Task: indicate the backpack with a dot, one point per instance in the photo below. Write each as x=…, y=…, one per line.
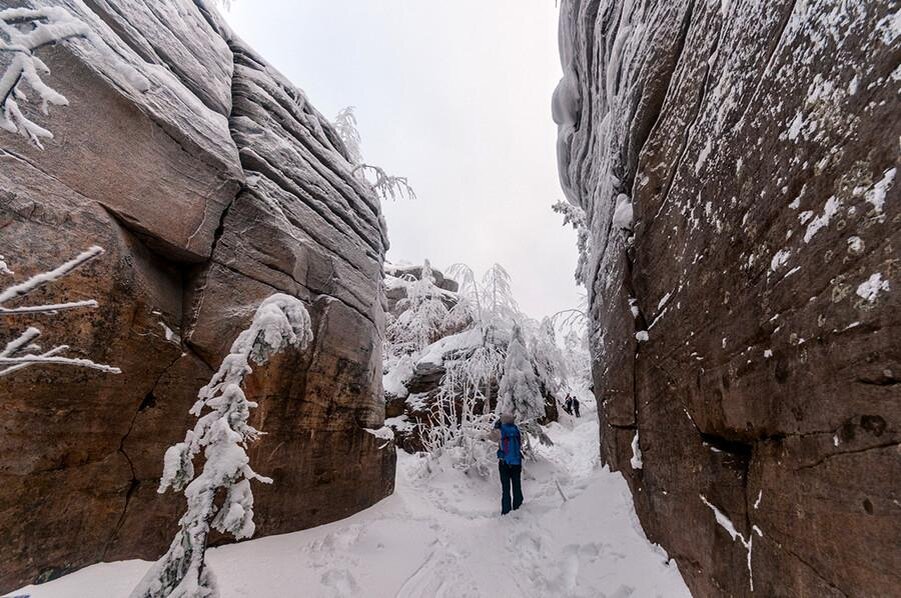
x=511, y=445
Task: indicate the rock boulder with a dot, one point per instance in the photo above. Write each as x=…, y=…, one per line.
x=212, y=183
x=757, y=143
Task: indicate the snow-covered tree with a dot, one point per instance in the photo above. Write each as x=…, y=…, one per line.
x=458, y=422
x=346, y=126
x=220, y=497
x=578, y=362
x=475, y=360
x=488, y=302
x=22, y=351
x=23, y=31
x=519, y=391
x=500, y=307
x=423, y=315
x=547, y=355
x=385, y=185
x=575, y=216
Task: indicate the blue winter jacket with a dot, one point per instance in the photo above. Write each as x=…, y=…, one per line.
x=510, y=451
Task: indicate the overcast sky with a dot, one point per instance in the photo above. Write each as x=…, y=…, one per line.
x=455, y=95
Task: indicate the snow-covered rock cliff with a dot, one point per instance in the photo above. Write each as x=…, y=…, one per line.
x=212, y=183
x=747, y=320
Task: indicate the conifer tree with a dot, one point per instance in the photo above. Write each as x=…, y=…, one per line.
x=221, y=497
x=519, y=392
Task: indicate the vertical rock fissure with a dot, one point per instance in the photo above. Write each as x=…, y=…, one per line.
x=687, y=134
x=771, y=55
x=134, y=482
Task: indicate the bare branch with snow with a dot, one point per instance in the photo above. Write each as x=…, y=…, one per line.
x=22, y=351
x=385, y=185
x=23, y=31
x=575, y=216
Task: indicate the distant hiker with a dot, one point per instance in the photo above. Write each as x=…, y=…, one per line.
x=568, y=405
x=509, y=461
x=576, y=407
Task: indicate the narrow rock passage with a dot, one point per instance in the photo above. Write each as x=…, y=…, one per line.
x=440, y=535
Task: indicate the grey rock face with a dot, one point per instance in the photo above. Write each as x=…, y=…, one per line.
x=212, y=183
x=757, y=143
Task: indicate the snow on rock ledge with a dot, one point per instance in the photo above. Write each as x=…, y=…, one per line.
x=212, y=187
x=746, y=135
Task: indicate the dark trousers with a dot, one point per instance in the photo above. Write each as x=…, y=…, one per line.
x=511, y=475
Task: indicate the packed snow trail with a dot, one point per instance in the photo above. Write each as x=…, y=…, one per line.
x=441, y=535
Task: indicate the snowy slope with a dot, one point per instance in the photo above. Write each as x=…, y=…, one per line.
x=440, y=535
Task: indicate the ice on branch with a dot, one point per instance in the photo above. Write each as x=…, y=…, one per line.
x=23, y=31
x=220, y=497
x=384, y=185
x=23, y=351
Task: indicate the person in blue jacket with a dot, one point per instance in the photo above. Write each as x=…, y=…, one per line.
x=509, y=461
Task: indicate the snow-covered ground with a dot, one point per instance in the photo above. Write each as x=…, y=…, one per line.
x=440, y=534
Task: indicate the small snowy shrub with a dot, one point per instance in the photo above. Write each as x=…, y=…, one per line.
x=460, y=418
x=220, y=497
x=22, y=351
x=23, y=31
x=458, y=426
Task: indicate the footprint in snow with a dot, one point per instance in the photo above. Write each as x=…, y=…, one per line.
x=339, y=583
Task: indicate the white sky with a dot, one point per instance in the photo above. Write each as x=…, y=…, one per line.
x=455, y=95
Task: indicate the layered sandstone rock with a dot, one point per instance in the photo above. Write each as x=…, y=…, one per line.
x=758, y=145
x=212, y=183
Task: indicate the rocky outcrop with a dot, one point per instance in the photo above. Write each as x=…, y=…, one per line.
x=757, y=144
x=413, y=383
x=212, y=183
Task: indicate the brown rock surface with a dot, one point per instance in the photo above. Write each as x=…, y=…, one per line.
x=211, y=189
x=758, y=144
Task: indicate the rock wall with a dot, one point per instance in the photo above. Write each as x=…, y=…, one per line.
x=212, y=183
x=758, y=144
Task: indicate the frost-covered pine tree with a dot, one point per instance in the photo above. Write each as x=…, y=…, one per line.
x=23, y=351
x=23, y=31
x=220, y=497
x=519, y=391
x=423, y=315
